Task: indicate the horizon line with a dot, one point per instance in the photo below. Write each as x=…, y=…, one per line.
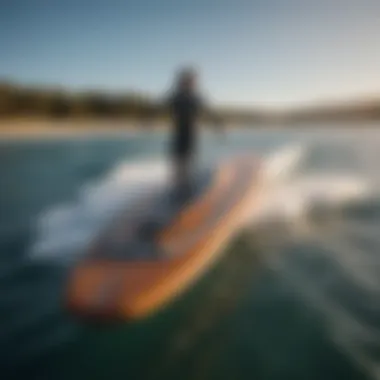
x=359, y=98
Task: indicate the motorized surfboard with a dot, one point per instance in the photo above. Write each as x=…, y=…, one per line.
x=153, y=253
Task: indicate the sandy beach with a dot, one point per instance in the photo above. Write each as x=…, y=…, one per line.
x=52, y=128
x=42, y=128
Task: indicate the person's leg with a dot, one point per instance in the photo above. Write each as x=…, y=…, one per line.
x=182, y=176
x=183, y=162
x=177, y=170
x=186, y=170
x=181, y=171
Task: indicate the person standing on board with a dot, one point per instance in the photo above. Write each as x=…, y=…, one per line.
x=185, y=107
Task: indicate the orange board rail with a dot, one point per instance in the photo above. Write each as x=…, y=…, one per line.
x=113, y=289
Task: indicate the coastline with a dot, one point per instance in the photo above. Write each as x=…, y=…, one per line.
x=36, y=128
x=15, y=128
x=45, y=128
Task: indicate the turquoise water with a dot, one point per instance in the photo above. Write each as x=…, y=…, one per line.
x=241, y=321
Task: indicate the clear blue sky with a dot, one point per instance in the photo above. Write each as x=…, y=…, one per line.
x=279, y=52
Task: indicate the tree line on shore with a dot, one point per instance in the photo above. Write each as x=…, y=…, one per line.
x=19, y=101
x=23, y=101
x=16, y=101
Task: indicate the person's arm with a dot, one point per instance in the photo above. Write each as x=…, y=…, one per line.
x=214, y=119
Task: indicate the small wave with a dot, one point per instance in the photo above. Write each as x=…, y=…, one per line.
x=66, y=229
x=294, y=185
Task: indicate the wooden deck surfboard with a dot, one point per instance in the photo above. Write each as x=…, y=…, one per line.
x=151, y=255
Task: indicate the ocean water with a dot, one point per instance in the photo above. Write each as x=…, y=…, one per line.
x=295, y=296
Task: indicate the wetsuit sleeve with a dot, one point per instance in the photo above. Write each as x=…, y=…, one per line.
x=214, y=118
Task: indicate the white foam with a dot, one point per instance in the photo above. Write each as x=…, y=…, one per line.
x=289, y=191
x=66, y=229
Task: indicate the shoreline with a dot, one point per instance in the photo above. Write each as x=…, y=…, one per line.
x=42, y=128
x=55, y=128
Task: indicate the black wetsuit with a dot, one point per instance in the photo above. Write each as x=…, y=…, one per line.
x=185, y=109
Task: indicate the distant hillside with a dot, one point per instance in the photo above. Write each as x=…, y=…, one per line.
x=16, y=101
x=354, y=111
x=20, y=101
x=56, y=103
